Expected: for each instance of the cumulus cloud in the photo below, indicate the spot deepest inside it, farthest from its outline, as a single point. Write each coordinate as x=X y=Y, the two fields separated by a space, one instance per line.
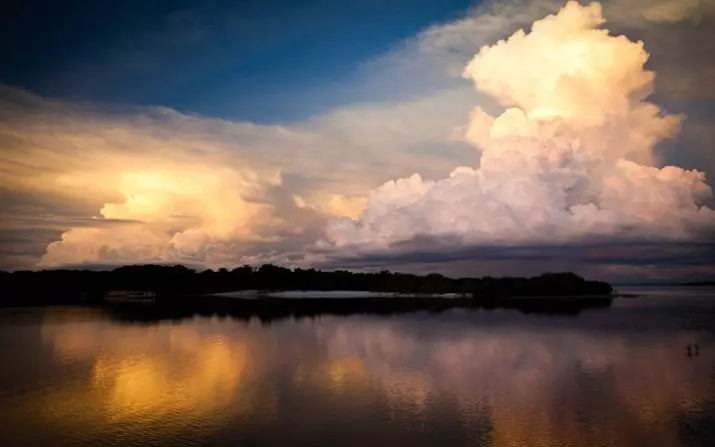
x=99 y=185
x=181 y=212
x=192 y=189
x=571 y=155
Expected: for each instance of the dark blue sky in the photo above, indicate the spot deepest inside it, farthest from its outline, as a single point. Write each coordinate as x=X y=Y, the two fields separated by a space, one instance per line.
x=255 y=60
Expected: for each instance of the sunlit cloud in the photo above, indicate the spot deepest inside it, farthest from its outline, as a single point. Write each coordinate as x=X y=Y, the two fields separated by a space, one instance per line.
x=571 y=154
x=115 y=185
x=197 y=189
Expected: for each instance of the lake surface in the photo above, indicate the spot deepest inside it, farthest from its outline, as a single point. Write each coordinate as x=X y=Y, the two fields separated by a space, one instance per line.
x=621 y=376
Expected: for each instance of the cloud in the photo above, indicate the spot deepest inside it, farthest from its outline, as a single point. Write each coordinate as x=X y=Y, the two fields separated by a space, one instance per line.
x=678 y=10
x=678 y=51
x=196 y=189
x=130 y=184
x=610 y=258
x=570 y=156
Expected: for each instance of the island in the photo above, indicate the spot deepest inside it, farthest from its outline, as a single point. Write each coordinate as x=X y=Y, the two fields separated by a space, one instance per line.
x=271 y=291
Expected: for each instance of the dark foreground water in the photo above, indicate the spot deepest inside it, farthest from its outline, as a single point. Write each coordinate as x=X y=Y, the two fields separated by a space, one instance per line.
x=621 y=376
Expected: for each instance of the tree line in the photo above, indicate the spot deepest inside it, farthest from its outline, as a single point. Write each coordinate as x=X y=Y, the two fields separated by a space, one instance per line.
x=67 y=286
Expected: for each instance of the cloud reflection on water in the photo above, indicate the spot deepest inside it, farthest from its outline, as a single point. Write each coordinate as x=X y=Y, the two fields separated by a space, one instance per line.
x=499 y=379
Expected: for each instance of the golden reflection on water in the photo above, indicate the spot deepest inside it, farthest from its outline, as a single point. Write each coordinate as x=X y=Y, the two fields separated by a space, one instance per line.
x=342 y=372
x=152 y=386
x=539 y=386
x=339 y=376
x=142 y=374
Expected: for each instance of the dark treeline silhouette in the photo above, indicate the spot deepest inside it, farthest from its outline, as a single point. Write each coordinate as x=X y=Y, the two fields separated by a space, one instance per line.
x=697 y=283
x=77 y=286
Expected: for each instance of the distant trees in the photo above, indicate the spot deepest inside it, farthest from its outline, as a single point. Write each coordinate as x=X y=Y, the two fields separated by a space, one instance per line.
x=74 y=286
x=548 y=284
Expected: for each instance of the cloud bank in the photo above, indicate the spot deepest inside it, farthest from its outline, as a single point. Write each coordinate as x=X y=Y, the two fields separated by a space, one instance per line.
x=571 y=155
x=151 y=184
x=569 y=146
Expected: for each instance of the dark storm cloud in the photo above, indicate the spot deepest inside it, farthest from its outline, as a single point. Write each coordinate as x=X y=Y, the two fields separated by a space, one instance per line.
x=664 y=254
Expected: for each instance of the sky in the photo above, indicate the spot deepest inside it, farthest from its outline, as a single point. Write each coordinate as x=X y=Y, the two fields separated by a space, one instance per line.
x=495 y=138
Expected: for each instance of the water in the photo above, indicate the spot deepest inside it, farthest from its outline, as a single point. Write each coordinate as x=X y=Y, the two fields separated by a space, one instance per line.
x=621 y=376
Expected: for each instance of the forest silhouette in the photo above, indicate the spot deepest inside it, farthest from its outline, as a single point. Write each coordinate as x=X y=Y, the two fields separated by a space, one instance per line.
x=178 y=284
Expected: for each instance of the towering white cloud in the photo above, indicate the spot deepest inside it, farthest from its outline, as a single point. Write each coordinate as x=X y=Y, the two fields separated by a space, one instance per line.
x=571 y=154
x=568 y=154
